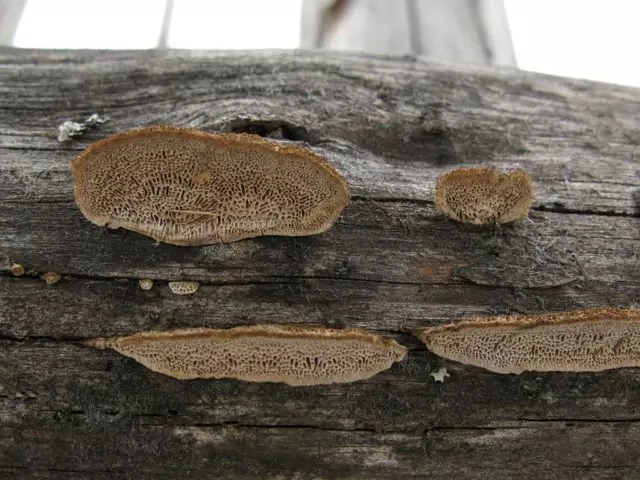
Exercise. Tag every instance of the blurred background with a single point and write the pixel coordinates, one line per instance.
(592, 39)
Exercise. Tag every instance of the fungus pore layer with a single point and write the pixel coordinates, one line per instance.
(184, 288)
(187, 187)
(484, 195)
(575, 341)
(261, 353)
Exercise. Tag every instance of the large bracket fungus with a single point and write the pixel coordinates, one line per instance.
(187, 187)
(484, 195)
(294, 355)
(575, 341)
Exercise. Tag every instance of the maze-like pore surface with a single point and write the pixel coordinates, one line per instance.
(484, 195)
(187, 187)
(578, 341)
(263, 353)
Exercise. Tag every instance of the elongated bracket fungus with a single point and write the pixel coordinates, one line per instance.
(575, 341)
(484, 195)
(187, 187)
(261, 353)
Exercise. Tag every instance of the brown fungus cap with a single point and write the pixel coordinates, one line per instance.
(290, 354)
(187, 187)
(575, 341)
(484, 195)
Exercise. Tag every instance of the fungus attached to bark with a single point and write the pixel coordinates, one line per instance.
(187, 187)
(17, 270)
(145, 283)
(184, 288)
(51, 278)
(575, 341)
(290, 354)
(484, 195)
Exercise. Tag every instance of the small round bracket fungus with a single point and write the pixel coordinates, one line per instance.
(17, 270)
(575, 341)
(294, 355)
(184, 288)
(51, 278)
(187, 187)
(484, 195)
(145, 283)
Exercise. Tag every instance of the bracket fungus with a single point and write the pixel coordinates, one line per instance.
(184, 288)
(294, 355)
(51, 277)
(17, 270)
(145, 283)
(187, 187)
(575, 341)
(484, 195)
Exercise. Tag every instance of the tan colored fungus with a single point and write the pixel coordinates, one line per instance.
(484, 195)
(145, 283)
(187, 187)
(290, 354)
(51, 278)
(184, 288)
(17, 269)
(575, 341)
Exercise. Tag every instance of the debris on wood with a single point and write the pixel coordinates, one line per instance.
(440, 374)
(70, 130)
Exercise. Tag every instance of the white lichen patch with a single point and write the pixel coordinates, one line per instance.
(146, 283)
(440, 374)
(69, 130)
(184, 288)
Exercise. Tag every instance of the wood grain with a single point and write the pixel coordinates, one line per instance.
(390, 264)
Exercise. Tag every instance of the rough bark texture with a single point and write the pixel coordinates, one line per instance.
(390, 264)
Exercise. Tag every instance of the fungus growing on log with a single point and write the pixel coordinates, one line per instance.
(51, 277)
(187, 187)
(576, 341)
(17, 270)
(295, 355)
(184, 288)
(145, 283)
(484, 195)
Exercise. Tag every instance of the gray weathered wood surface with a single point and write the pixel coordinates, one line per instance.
(466, 31)
(390, 264)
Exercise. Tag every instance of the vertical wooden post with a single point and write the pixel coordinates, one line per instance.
(471, 31)
(10, 13)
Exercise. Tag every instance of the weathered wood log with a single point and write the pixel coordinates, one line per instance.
(391, 263)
